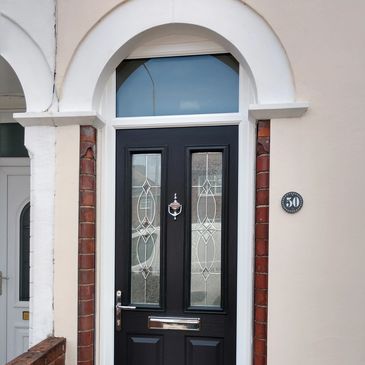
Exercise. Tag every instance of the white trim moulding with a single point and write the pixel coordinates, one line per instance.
(167, 121)
(277, 111)
(177, 47)
(59, 119)
(56, 119)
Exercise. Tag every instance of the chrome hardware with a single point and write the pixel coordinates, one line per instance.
(174, 208)
(126, 307)
(1, 281)
(118, 310)
(174, 323)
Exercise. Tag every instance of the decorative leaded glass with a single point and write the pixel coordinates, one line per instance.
(145, 233)
(206, 235)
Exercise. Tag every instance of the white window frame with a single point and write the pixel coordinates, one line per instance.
(106, 208)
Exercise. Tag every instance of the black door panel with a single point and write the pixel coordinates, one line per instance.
(141, 348)
(204, 351)
(183, 267)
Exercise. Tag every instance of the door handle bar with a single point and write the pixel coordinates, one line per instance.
(1, 281)
(118, 310)
(125, 307)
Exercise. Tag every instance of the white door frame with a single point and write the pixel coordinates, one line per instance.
(106, 212)
(9, 166)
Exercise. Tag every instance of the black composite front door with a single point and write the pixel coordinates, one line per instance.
(176, 245)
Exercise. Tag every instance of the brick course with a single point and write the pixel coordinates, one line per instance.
(87, 224)
(50, 351)
(261, 242)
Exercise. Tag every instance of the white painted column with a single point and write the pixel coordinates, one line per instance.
(40, 142)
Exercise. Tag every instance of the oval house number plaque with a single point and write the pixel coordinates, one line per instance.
(292, 202)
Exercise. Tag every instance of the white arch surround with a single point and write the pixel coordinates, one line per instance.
(230, 23)
(29, 63)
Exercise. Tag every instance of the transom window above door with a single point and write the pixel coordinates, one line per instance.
(200, 84)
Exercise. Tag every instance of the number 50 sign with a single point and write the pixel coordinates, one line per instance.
(292, 202)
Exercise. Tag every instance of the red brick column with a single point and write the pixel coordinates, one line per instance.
(261, 241)
(86, 285)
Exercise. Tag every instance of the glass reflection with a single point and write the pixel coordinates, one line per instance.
(177, 85)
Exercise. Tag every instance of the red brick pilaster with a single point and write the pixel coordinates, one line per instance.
(261, 242)
(86, 299)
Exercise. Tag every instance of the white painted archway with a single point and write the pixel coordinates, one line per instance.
(234, 25)
(29, 62)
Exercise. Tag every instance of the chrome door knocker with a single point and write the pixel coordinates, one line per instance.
(174, 208)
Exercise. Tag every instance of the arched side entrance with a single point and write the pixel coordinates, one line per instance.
(14, 236)
(35, 75)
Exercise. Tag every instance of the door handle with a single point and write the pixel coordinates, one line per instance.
(126, 307)
(1, 281)
(118, 310)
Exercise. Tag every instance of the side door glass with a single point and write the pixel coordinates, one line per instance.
(206, 229)
(24, 238)
(145, 228)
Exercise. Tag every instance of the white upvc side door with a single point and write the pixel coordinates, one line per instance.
(3, 267)
(14, 196)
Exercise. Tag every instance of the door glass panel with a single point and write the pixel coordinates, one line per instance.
(145, 229)
(24, 254)
(177, 85)
(206, 230)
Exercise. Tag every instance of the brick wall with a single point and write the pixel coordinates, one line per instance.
(86, 300)
(51, 351)
(261, 242)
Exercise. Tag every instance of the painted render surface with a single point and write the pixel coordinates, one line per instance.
(66, 237)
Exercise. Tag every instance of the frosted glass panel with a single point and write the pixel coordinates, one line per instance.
(206, 231)
(177, 85)
(145, 234)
